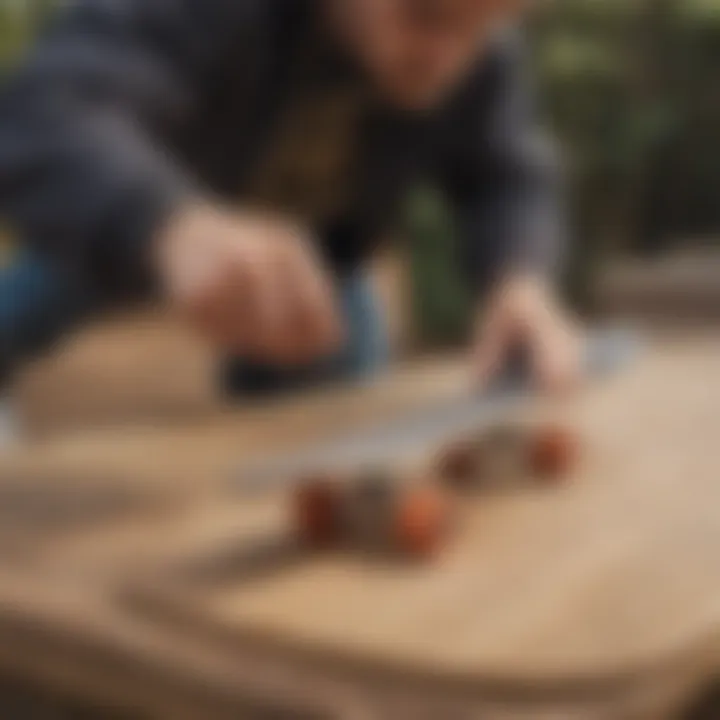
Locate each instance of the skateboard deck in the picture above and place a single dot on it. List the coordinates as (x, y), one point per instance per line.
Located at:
(611, 579)
(429, 424)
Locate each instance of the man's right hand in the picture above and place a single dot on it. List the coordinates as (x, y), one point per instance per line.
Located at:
(252, 285)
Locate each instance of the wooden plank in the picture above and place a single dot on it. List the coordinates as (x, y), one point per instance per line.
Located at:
(75, 642)
(67, 638)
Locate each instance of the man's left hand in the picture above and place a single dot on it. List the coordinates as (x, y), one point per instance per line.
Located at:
(524, 311)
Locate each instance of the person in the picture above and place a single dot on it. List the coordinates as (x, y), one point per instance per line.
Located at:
(241, 160)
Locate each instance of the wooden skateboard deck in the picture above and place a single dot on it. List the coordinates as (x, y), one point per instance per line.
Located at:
(606, 582)
(429, 425)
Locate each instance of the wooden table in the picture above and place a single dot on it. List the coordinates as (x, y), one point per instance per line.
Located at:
(597, 600)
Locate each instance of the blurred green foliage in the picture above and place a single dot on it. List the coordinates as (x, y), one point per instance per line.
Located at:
(631, 88)
(19, 20)
(440, 300)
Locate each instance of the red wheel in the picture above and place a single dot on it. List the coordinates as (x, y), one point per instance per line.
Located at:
(554, 453)
(317, 512)
(422, 522)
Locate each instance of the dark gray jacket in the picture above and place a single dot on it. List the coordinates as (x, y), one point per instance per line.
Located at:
(124, 108)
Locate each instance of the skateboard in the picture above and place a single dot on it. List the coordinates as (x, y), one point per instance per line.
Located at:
(355, 490)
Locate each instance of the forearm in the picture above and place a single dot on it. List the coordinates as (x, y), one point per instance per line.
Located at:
(502, 173)
(85, 174)
(515, 224)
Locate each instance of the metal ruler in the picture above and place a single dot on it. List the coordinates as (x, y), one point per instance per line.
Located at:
(606, 353)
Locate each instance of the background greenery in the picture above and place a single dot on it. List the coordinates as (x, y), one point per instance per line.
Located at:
(632, 90)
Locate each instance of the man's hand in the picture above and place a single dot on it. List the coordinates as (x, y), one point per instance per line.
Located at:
(251, 285)
(524, 312)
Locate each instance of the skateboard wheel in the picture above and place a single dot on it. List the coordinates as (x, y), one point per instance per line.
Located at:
(421, 523)
(317, 512)
(553, 453)
(459, 465)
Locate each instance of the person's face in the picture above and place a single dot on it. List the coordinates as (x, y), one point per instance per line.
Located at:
(416, 50)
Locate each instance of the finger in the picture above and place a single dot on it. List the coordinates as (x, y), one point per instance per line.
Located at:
(314, 329)
(273, 306)
(556, 361)
(267, 310)
(242, 310)
(232, 314)
(213, 321)
(196, 297)
(489, 349)
(573, 370)
(320, 297)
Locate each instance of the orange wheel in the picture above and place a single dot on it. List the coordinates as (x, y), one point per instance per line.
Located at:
(317, 512)
(459, 465)
(422, 522)
(554, 452)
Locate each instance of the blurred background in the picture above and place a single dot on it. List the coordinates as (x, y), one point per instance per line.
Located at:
(630, 90)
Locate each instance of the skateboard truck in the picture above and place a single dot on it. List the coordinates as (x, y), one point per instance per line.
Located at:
(411, 516)
(373, 513)
(508, 453)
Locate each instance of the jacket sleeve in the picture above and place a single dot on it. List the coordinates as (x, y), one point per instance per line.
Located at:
(86, 174)
(502, 175)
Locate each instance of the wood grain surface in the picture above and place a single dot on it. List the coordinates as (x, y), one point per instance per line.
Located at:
(600, 599)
